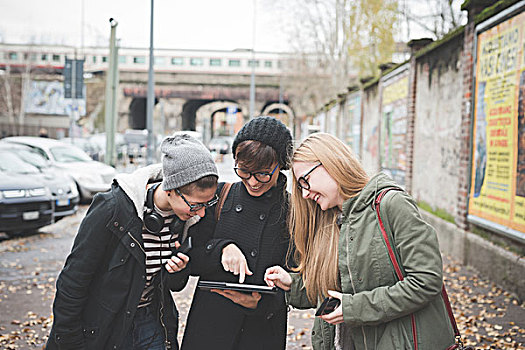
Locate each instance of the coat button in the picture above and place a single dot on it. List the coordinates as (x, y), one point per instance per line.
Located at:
(121, 228)
(132, 244)
(254, 253)
(115, 223)
(122, 260)
(209, 246)
(238, 208)
(128, 313)
(262, 217)
(313, 332)
(351, 238)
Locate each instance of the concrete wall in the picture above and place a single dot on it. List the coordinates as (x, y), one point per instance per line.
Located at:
(495, 263)
(437, 127)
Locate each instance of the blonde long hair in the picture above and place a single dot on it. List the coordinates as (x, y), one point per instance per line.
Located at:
(315, 232)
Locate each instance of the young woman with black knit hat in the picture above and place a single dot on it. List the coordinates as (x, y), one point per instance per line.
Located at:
(250, 235)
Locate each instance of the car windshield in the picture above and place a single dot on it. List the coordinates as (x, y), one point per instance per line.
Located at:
(63, 154)
(32, 158)
(9, 162)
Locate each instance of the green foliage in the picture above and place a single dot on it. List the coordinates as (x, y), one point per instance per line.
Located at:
(370, 33)
(440, 213)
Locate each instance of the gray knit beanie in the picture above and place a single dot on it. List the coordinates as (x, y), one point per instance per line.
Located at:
(184, 160)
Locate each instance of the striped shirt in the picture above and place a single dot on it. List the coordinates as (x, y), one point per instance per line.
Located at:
(158, 248)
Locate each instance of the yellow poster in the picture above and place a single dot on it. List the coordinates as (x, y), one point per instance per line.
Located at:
(498, 171)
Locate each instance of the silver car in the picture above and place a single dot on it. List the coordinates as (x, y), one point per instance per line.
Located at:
(89, 175)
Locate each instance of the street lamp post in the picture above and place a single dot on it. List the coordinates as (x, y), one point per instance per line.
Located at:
(252, 77)
(151, 96)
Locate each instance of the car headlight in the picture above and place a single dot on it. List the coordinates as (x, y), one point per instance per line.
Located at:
(37, 192)
(14, 193)
(73, 188)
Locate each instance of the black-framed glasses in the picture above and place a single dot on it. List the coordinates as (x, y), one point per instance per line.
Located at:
(302, 183)
(261, 176)
(198, 206)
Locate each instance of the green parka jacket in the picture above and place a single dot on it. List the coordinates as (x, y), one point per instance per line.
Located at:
(376, 306)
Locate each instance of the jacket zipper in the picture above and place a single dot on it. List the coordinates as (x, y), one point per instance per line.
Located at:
(353, 286)
(137, 242)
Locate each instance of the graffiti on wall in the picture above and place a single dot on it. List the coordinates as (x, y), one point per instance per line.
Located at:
(47, 97)
(394, 127)
(353, 123)
(498, 171)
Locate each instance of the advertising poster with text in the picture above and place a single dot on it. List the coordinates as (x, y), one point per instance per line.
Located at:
(498, 171)
(394, 127)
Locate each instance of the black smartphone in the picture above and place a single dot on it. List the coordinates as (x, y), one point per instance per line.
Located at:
(327, 306)
(185, 246)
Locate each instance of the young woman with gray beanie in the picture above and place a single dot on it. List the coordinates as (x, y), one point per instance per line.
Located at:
(249, 236)
(114, 290)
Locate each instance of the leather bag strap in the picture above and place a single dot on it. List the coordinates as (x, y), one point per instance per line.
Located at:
(397, 267)
(222, 197)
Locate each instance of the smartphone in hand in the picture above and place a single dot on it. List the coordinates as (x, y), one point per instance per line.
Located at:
(327, 306)
(185, 247)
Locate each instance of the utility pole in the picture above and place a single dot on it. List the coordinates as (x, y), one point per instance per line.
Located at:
(111, 96)
(151, 96)
(252, 78)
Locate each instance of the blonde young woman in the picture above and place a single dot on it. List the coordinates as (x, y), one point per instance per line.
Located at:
(340, 253)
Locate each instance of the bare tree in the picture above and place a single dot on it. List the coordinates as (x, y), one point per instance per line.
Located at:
(334, 42)
(434, 18)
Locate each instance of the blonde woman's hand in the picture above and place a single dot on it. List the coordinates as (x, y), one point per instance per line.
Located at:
(277, 276)
(233, 261)
(249, 301)
(335, 316)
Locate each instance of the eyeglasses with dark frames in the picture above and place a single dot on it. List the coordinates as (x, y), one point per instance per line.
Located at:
(198, 206)
(261, 176)
(302, 183)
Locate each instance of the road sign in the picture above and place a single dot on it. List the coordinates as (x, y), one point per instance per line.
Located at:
(73, 74)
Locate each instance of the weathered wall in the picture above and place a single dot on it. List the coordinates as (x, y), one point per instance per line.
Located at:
(370, 115)
(438, 126)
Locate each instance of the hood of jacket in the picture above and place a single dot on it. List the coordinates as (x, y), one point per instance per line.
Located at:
(135, 184)
(135, 187)
(367, 195)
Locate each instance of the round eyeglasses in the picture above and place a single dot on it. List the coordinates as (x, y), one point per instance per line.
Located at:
(302, 183)
(261, 176)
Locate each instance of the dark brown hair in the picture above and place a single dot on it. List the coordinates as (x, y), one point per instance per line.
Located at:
(203, 183)
(255, 155)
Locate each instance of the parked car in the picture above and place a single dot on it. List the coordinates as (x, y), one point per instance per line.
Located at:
(25, 203)
(221, 144)
(89, 175)
(91, 148)
(99, 140)
(63, 188)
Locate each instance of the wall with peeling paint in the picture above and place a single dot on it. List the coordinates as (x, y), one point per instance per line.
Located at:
(437, 131)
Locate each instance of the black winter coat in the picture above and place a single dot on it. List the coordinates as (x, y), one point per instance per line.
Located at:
(103, 278)
(257, 225)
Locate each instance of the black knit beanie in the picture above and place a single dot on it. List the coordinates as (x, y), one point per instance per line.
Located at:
(271, 132)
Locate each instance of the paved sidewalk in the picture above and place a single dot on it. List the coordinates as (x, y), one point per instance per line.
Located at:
(488, 316)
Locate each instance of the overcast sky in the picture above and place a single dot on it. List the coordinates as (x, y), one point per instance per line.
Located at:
(188, 24)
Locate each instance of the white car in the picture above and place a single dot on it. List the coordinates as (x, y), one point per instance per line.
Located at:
(90, 176)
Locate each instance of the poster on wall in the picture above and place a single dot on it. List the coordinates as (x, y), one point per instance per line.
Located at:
(47, 97)
(353, 123)
(394, 123)
(497, 191)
